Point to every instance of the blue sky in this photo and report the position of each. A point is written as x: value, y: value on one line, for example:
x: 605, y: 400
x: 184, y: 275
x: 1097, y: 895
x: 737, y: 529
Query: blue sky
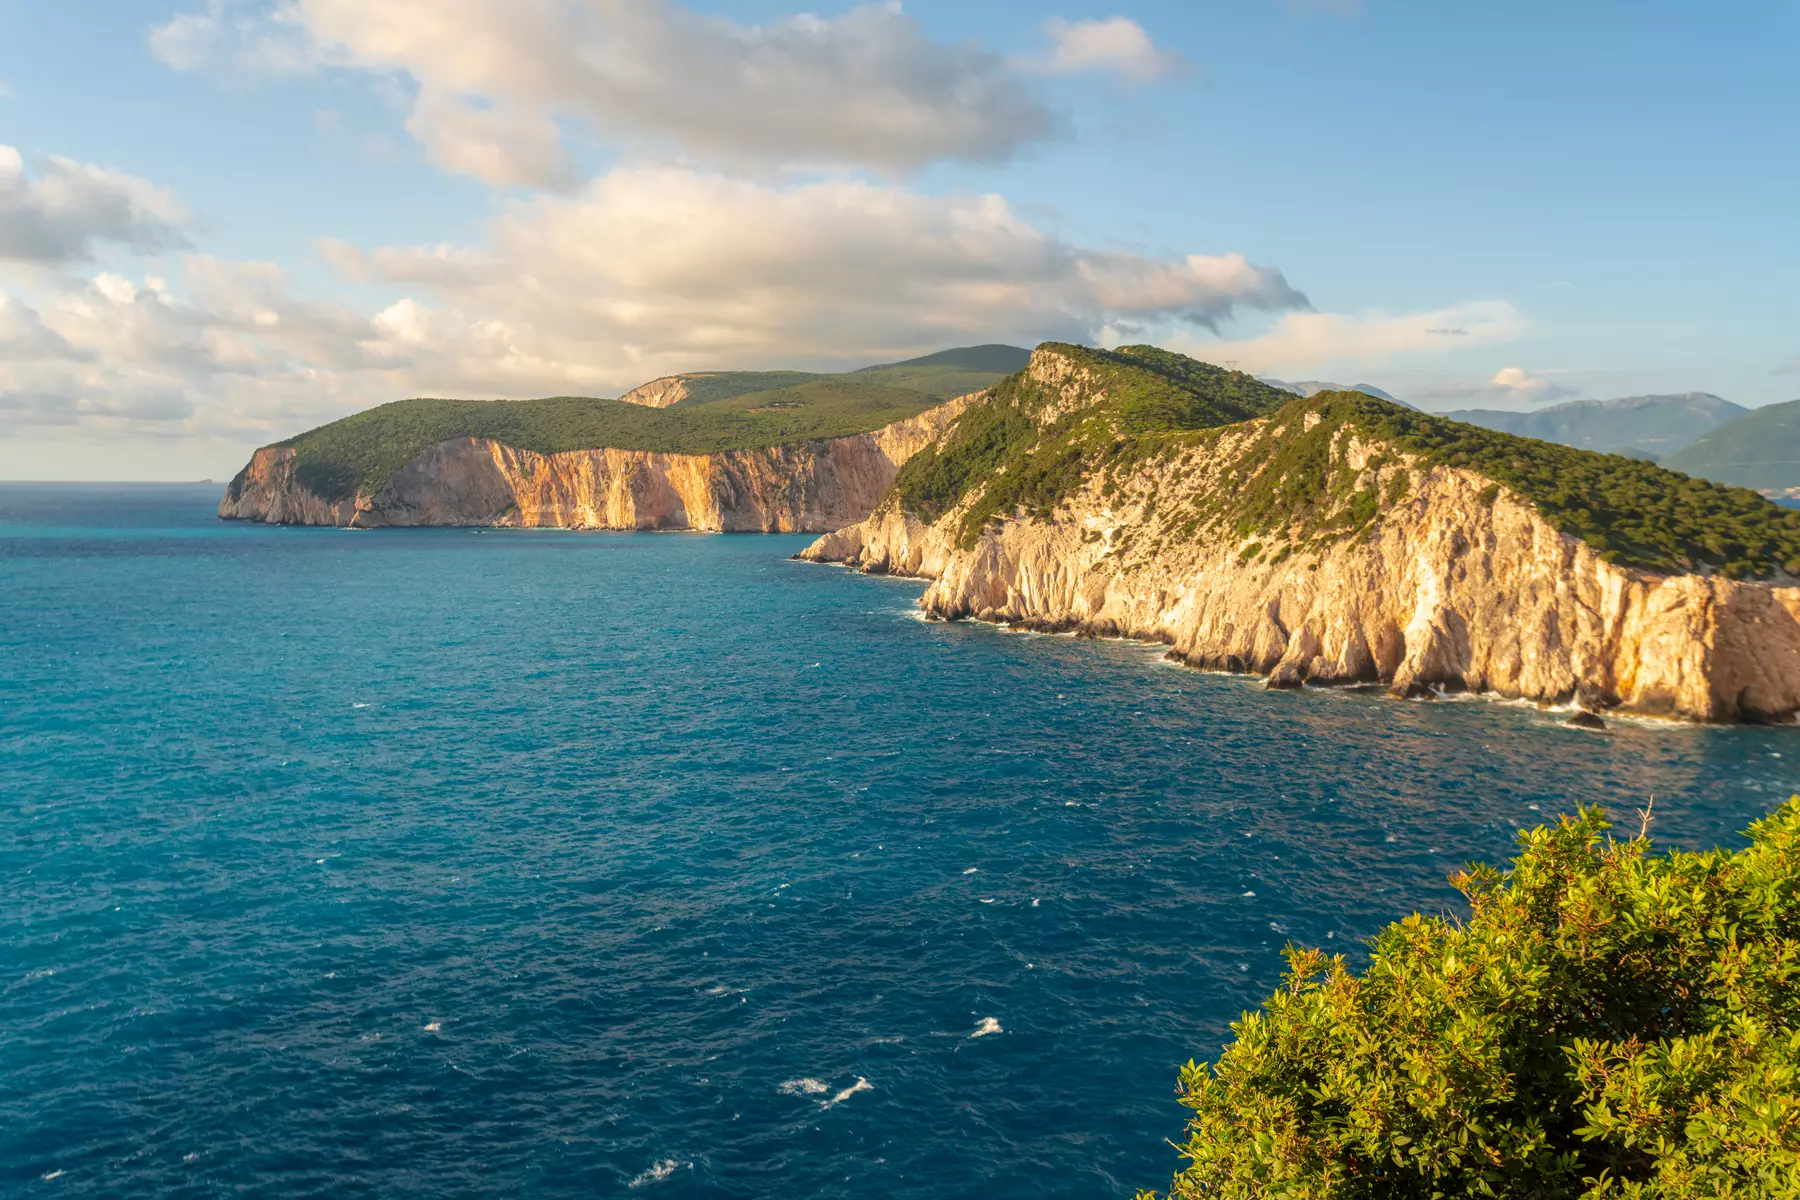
x: 227, y: 221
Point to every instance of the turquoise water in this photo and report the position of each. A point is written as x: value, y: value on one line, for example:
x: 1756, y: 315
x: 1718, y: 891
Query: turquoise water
x: 460, y: 863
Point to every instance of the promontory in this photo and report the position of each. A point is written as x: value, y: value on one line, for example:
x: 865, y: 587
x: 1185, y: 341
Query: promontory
x: 762, y: 451
x: 1340, y: 539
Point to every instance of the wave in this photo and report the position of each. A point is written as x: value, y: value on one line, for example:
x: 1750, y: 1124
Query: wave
x: 657, y: 1172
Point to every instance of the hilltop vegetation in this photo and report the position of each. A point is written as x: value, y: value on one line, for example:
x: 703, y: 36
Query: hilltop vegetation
x: 1012, y: 454
x: 359, y: 452
x: 1604, y: 1024
x: 1633, y: 512
x: 1030, y: 458
x: 951, y: 373
x: 1761, y: 449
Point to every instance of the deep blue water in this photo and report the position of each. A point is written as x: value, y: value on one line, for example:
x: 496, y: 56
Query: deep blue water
x: 458, y: 863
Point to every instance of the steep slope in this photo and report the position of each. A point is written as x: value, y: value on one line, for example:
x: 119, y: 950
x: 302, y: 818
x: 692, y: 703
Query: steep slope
x: 1656, y: 426
x: 1339, y: 539
x: 1760, y: 450
x: 388, y: 468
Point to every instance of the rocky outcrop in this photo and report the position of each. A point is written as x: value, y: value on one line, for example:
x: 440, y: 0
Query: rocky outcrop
x: 803, y: 488
x: 659, y: 393
x: 1457, y: 584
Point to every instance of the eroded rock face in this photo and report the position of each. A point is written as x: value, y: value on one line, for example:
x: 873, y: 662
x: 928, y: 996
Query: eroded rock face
x: 659, y: 393
x: 1451, y: 588
x: 804, y: 488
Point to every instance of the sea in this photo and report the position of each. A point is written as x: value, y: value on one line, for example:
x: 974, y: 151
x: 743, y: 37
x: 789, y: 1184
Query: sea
x: 467, y: 863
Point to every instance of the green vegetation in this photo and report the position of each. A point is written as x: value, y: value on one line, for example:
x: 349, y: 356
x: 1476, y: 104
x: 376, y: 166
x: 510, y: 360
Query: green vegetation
x: 1016, y: 452
x: 951, y: 373
x: 1603, y: 1024
x: 709, y: 387
x: 361, y: 451
x: 1029, y: 454
x: 1633, y: 512
x: 1761, y: 449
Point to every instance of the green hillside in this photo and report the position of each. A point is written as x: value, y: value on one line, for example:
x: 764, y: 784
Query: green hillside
x: 946, y: 374
x: 1760, y: 449
x: 713, y: 386
x: 1148, y: 403
x: 1633, y: 512
x: 359, y: 452
x: 951, y: 373
x: 1029, y: 459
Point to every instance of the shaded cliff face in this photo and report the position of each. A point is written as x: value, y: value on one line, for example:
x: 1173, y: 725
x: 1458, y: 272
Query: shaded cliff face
x: 805, y: 488
x: 1451, y: 582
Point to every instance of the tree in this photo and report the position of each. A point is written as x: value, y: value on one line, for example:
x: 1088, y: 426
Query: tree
x: 1605, y: 1023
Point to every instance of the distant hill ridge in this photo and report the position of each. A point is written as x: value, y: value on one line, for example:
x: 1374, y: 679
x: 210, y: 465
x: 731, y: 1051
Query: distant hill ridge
x: 945, y: 374
x: 1760, y: 449
x: 1652, y: 426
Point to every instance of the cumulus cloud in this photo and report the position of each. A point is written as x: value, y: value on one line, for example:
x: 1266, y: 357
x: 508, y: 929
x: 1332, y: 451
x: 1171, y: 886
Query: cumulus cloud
x: 1303, y: 340
x: 1509, y: 387
x: 70, y: 207
x: 1116, y: 44
x: 863, y: 89
x: 235, y: 352
x: 647, y: 271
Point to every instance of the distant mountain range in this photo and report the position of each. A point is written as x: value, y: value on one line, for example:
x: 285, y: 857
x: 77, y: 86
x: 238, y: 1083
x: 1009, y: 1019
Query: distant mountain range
x: 1642, y: 426
x: 1760, y: 450
x: 1312, y: 387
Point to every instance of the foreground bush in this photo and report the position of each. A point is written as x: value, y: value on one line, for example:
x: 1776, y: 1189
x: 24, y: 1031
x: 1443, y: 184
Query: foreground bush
x: 1606, y: 1023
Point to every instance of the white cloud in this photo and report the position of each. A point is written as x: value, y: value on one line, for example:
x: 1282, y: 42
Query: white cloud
x: 1510, y: 387
x: 235, y: 353
x: 70, y: 207
x: 250, y: 42
x: 1117, y: 44
x: 1302, y: 341
x: 863, y: 89
x: 648, y: 271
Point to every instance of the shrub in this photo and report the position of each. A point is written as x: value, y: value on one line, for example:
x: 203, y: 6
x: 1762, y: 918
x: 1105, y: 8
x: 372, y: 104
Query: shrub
x: 1605, y: 1023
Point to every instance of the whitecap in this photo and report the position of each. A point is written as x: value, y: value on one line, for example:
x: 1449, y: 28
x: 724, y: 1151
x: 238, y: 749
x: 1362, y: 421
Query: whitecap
x: 861, y: 1085
x: 657, y: 1172
x: 971, y: 870
x: 57, y: 1174
x: 987, y: 1026
x: 359, y: 704
x: 803, y: 1087
x: 1249, y: 895
x: 717, y: 989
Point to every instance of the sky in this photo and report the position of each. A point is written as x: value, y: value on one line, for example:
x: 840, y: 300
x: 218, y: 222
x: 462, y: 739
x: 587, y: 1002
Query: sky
x: 223, y: 222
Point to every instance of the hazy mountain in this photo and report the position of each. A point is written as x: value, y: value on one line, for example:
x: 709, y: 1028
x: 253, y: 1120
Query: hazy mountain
x: 1312, y: 387
x: 1650, y: 426
x: 1760, y: 449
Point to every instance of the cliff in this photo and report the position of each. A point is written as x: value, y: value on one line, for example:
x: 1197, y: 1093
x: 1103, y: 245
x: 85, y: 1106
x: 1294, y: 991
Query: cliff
x: 808, y: 486
x: 1336, y: 541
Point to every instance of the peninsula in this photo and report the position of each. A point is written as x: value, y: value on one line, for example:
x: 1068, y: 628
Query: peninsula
x: 1341, y: 539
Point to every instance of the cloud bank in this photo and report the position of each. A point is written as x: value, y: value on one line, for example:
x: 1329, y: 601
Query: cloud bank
x: 640, y: 273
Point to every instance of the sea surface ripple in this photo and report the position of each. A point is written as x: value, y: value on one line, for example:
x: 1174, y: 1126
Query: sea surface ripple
x: 471, y: 863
